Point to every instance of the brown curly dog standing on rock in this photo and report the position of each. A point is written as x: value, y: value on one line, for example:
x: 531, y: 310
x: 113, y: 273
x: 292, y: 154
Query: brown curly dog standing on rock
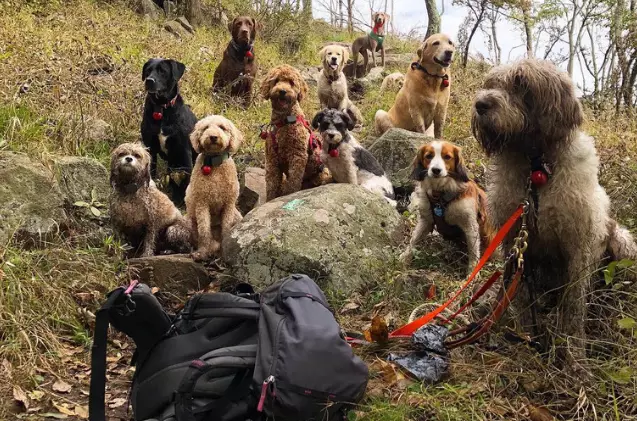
x: 528, y: 120
x: 141, y: 213
x: 292, y: 149
x: 212, y: 194
x: 423, y: 99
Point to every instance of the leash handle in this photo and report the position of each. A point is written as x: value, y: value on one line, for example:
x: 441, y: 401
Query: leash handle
x: 409, y: 329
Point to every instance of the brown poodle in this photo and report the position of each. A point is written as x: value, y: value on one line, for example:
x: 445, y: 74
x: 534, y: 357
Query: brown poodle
x: 146, y: 218
x: 212, y: 194
x: 291, y: 147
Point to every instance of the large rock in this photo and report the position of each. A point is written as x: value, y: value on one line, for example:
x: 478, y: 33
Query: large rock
x: 149, y: 9
x: 395, y: 152
x: 176, y: 273
x: 311, y: 75
x: 375, y: 76
x: 176, y: 28
x: 82, y: 179
x: 31, y: 203
x: 339, y: 234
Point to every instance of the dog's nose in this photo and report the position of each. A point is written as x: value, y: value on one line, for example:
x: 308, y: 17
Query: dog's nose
x: 334, y: 59
x: 282, y: 93
x: 482, y: 106
x: 245, y: 32
x: 150, y: 83
x: 448, y: 54
x: 436, y: 171
x: 214, y: 139
x: 129, y: 159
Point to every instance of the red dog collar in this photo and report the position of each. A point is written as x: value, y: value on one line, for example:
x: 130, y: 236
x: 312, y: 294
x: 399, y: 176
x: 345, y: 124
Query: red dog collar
x: 158, y: 115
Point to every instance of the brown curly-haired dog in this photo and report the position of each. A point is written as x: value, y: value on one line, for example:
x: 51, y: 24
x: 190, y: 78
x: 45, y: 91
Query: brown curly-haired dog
x: 291, y: 147
x: 212, y: 194
x: 146, y: 218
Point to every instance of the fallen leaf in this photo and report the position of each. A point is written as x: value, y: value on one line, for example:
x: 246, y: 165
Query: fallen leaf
x: 379, y: 331
x: 81, y: 412
x: 538, y: 413
x: 61, y: 387
x: 6, y: 369
x: 63, y: 409
x: 349, y: 307
x: 20, y: 397
x: 57, y: 416
x: 36, y: 395
x: 117, y: 403
x: 154, y: 290
x: 84, y: 298
x: 84, y: 392
x: 431, y: 292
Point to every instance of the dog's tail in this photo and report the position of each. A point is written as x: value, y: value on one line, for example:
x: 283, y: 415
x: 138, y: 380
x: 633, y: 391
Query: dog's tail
x: 621, y: 244
x: 487, y: 229
x: 382, y: 122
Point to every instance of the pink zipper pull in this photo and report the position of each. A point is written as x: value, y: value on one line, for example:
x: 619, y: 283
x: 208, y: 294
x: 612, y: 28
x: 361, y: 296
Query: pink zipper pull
x: 264, y: 392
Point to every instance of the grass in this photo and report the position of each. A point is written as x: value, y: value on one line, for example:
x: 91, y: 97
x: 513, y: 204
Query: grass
x: 49, y: 93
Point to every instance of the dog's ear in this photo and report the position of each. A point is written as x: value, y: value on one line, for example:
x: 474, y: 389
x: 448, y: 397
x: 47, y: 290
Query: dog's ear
x: 420, y: 51
x: 318, y: 118
x: 236, y: 137
x: 231, y: 26
x: 303, y: 88
x: 348, y: 119
x: 254, y: 29
x: 200, y: 127
x: 144, y: 175
x: 177, y: 69
x: 461, y: 170
x: 146, y: 69
x: 322, y: 54
x: 345, y: 55
x: 419, y: 171
x: 267, y: 82
x: 374, y: 16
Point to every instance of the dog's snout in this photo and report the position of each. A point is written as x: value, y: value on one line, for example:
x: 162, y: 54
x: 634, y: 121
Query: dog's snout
x: 334, y: 59
x: 214, y: 139
x: 129, y: 159
x: 436, y: 171
x: 283, y: 93
x: 150, y: 83
x: 482, y: 106
x: 448, y: 54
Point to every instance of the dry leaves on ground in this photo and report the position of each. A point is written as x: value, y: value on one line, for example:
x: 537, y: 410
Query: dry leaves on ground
x: 61, y: 386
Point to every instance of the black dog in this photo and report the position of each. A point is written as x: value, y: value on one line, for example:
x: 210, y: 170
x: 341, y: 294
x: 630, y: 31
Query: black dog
x: 167, y: 123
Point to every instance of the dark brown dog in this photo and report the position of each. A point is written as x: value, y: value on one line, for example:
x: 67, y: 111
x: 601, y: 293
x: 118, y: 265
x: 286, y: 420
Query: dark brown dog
x: 238, y: 67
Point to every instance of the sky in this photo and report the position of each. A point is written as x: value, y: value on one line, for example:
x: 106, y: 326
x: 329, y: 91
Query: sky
x: 412, y: 15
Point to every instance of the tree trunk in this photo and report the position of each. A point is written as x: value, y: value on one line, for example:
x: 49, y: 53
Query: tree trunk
x: 528, y: 27
x: 433, y: 24
x: 193, y: 12
x: 350, y: 16
x: 496, y: 45
x: 307, y: 9
x: 479, y: 18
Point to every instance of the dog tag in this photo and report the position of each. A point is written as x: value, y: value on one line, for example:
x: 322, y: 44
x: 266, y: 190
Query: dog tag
x: 439, y: 211
x: 291, y: 119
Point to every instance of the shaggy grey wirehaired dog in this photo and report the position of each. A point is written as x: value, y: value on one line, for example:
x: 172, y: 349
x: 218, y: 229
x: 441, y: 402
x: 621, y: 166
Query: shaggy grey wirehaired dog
x: 527, y: 119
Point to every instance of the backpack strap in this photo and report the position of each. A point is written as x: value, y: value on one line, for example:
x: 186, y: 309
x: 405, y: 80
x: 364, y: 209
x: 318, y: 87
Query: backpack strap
x: 97, y: 389
x: 238, y: 388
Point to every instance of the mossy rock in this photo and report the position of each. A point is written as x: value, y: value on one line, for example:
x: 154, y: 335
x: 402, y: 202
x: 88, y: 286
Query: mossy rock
x: 340, y: 235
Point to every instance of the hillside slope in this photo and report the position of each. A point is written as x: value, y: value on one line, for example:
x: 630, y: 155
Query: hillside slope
x: 65, y: 65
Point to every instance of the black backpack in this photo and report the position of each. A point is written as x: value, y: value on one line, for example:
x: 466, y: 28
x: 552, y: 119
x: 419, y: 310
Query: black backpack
x: 203, y: 364
x: 305, y: 369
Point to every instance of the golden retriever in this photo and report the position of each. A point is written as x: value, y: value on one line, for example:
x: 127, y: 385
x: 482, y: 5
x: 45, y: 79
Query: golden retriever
x: 332, y: 83
x: 424, y: 97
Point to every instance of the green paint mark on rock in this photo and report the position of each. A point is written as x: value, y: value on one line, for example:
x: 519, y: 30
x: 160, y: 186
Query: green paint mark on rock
x: 293, y: 204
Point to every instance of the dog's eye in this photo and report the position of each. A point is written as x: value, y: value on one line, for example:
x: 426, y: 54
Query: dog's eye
x: 447, y: 157
x: 121, y: 154
x: 292, y: 83
x: 437, y: 43
x: 429, y: 156
x: 136, y: 155
x: 450, y: 43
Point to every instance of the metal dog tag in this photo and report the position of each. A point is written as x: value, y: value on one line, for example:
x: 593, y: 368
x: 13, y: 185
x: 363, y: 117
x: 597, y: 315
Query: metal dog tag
x: 291, y: 119
x: 439, y: 211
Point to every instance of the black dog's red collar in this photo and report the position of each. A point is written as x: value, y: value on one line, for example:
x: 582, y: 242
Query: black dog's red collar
x: 158, y: 115
x: 445, y: 78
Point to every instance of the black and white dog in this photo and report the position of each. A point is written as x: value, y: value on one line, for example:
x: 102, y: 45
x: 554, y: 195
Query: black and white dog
x: 346, y: 159
x: 167, y: 123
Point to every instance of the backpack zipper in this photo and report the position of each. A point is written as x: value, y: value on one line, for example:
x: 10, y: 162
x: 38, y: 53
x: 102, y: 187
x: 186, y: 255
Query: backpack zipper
x: 264, y: 391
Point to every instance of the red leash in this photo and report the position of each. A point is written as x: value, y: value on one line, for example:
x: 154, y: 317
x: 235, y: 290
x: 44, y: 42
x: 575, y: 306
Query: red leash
x: 409, y: 329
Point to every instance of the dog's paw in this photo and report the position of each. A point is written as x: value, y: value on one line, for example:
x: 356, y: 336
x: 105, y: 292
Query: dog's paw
x: 200, y: 256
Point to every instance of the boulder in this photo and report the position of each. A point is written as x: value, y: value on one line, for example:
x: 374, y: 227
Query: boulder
x: 96, y: 130
x: 177, y: 273
x: 253, y: 192
x: 311, y: 75
x: 187, y: 26
x: 339, y: 234
x: 149, y: 9
x: 31, y: 203
x: 177, y: 29
x: 82, y: 179
x: 375, y: 76
x: 395, y: 152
